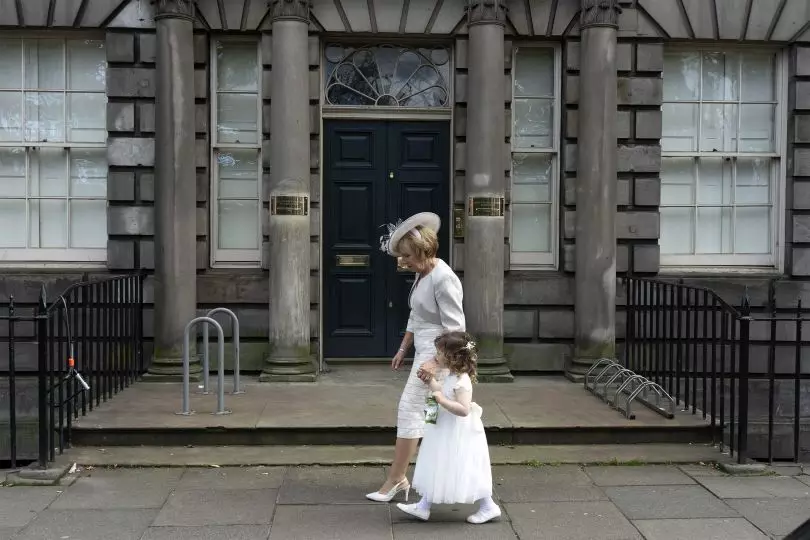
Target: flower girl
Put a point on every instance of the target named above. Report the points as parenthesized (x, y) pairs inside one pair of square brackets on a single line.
[(453, 466)]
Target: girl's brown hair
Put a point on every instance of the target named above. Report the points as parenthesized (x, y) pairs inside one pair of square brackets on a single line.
[(460, 351), (426, 245)]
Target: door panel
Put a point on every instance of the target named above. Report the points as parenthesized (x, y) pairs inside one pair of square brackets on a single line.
[(375, 173)]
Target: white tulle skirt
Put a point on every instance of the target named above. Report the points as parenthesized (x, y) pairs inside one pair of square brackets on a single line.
[(410, 412), (453, 465)]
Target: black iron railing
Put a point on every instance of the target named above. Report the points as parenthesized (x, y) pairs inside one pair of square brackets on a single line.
[(723, 362), (88, 347)]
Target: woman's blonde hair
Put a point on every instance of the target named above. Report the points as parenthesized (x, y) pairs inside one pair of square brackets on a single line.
[(425, 245)]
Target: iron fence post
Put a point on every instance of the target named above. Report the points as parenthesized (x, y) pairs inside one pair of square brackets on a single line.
[(745, 346), (12, 387), (42, 381)]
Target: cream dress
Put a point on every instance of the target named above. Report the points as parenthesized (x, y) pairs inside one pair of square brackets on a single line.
[(436, 306)]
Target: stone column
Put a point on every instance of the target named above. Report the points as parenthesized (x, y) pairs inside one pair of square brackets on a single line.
[(289, 357), (175, 188), (484, 237), (595, 280)]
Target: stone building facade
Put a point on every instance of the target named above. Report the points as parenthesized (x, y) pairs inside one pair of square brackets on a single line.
[(259, 145)]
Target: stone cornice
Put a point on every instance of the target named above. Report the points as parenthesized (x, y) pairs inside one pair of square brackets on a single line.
[(175, 9), (297, 10), (486, 12), (599, 13)]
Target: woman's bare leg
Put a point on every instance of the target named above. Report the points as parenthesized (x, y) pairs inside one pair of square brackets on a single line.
[(404, 449)]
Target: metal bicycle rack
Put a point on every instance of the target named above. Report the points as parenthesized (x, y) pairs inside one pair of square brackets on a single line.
[(205, 364), (221, 366), (606, 375)]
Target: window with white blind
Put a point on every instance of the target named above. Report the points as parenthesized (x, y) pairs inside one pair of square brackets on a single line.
[(721, 158), (535, 148), (236, 235), (53, 151)]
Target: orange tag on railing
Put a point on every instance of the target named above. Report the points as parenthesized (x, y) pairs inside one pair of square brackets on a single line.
[(71, 363)]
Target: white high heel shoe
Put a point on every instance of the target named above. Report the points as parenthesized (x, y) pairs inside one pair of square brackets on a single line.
[(403, 485)]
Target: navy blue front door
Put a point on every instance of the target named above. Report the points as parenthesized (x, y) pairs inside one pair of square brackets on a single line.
[(375, 172)]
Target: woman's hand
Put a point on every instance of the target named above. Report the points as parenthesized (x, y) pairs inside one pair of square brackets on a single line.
[(397, 361), (427, 370)]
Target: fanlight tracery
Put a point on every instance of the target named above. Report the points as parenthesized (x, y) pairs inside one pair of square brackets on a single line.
[(387, 76)]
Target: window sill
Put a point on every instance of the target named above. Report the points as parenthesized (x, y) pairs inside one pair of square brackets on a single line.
[(741, 271)]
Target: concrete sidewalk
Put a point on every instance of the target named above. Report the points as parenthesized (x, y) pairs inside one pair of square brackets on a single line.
[(566, 502)]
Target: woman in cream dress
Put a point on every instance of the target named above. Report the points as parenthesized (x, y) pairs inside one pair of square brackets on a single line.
[(436, 306)]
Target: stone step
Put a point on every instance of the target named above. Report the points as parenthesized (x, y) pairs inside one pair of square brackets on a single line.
[(207, 456)]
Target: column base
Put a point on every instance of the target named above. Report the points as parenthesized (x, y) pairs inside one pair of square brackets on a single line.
[(170, 369), (289, 369), (494, 370), (577, 368)]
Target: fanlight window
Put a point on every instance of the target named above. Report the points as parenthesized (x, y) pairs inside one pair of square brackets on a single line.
[(387, 76)]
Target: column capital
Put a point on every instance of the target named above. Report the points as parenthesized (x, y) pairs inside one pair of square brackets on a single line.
[(175, 9), (296, 10), (486, 12), (599, 13)]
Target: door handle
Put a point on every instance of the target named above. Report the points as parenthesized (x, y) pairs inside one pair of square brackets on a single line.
[(390, 304), (391, 175)]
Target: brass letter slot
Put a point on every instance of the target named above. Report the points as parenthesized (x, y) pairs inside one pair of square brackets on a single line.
[(352, 260)]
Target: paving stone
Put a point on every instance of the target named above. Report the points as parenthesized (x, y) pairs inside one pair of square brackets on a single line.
[(336, 522), (758, 487), (637, 476), (228, 532), (538, 484), (122, 489), (702, 470), (197, 508), (774, 516), (804, 479), (570, 521), (496, 530), (88, 525), (330, 485), (668, 502), (233, 478), (6, 533), (19, 505), (716, 529)]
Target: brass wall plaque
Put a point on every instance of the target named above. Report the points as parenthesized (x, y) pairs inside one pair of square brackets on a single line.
[(289, 205), (485, 206), (352, 260), (458, 221)]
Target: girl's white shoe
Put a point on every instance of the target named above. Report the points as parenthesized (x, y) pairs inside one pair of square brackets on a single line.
[(415, 511), (403, 485), (485, 514)]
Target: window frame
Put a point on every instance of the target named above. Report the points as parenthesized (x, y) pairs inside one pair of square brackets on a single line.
[(235, 258), (740, 263), (535, 260), (67, 257)]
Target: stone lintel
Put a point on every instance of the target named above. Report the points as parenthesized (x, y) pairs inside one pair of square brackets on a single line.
[(295, 10), (486, 12), (175, 9), (599, 13)]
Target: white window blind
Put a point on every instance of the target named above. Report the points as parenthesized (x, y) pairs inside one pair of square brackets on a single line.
[(720, 158), (535, 144), (237, 159), (53, 150)]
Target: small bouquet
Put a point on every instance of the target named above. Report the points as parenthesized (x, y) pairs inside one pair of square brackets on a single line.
[(431, 410)]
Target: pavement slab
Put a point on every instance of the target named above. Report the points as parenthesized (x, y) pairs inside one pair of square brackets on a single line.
[(232, 478), (547, 483), (19, 505), (6, 533), (222, 532), (804, 478), (637, 476), (756, 487), (190, 508), (774, 516), (88, 525), (330, 485), (335, 522), (709, 529), (570, 521), (698, 470), (104, 491), (668, 502), (454, 531)]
